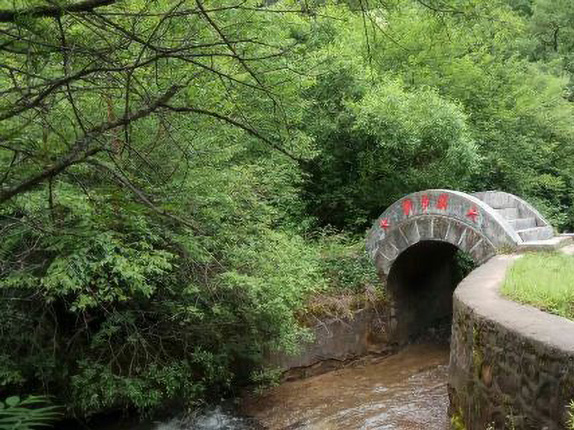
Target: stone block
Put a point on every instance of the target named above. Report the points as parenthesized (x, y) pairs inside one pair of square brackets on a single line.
[(496, 199), (426, 227), (441, 227), (482, 252), (411, 232), (455, 232)]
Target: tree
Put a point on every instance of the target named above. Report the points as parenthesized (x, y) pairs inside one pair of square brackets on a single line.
[(95, 68), (506, 111), (148, 183)]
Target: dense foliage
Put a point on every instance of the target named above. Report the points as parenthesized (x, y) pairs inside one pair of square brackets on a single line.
[(447, 98), (179, 178)]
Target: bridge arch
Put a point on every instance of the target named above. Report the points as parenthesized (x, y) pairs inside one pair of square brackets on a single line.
[(415, 241)]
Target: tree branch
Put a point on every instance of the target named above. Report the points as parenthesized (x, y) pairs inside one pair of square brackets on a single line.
[(440, 9), (53, 11), (237, 124), (52, 86), (123, 180), (83, 148)]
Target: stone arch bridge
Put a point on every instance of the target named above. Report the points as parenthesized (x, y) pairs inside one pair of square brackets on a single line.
[(414, 245)]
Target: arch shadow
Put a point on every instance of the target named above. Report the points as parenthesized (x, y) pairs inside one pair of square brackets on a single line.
[(421, 283)]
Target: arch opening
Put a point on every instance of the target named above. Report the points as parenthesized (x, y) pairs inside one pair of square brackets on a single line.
[(421, 283)]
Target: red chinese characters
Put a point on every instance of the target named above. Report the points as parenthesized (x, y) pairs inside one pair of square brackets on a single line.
[(384, 223), (472, 213), (407, 206), (425, 202), (442, 203)]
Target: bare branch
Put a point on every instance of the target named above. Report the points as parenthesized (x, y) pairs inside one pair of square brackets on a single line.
[(83, 148), (53, 11), (57, 83), (235, 123)]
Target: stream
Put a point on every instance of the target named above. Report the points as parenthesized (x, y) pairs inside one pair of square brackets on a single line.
[(404, 391)]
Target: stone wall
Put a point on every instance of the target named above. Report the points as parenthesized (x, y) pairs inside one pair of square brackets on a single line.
[(511, 366), (336, 341)]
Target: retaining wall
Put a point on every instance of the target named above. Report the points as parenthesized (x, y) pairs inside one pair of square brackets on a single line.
[(511, 366), (336, 341)]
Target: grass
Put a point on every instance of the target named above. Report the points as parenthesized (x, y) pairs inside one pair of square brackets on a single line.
[(545, 281)]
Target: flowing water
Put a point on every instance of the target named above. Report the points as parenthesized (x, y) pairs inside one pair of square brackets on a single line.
[(405, 391), (214, 418)]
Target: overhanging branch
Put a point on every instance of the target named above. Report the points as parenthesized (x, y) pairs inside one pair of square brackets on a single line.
[(123, 180), (231, 121), (83, 148), (53, 11)]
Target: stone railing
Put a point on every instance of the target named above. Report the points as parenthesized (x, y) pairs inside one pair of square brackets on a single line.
[(511, 366)]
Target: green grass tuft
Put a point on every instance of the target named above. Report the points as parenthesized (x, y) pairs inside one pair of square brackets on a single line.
[(543, 280)]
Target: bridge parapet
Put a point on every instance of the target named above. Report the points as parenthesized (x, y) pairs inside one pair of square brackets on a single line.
[(528, 223)]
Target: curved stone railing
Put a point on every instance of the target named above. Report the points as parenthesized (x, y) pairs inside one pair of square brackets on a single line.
[(524, 218), (509, 362)]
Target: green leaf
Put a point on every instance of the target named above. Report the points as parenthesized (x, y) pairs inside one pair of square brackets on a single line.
[(12, 401)]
